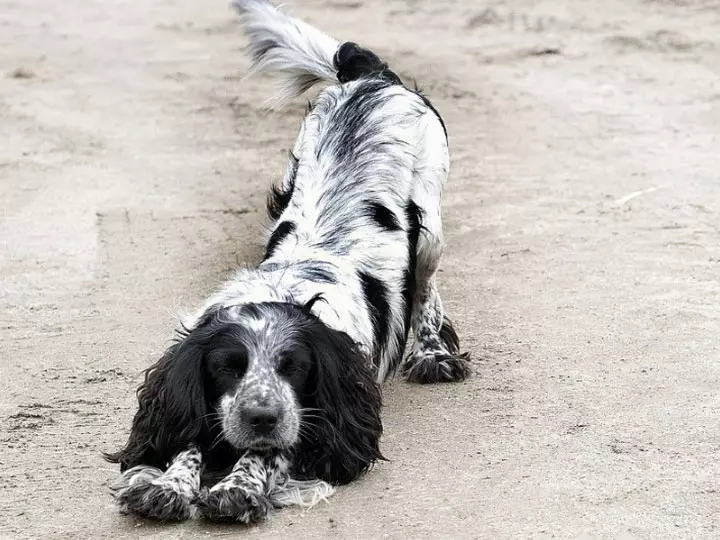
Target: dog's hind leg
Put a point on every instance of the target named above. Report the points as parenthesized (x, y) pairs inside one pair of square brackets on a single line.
[(435, 355)]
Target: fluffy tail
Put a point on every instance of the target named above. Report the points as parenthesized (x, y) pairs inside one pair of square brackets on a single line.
[(302, 54)]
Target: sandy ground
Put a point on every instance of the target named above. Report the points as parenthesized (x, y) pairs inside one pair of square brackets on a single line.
[(583, 262)]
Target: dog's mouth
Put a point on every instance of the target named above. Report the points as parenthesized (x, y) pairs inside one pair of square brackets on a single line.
[(259, 443), (263, 444)]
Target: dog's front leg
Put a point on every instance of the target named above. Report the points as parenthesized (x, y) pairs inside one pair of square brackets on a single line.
[(244, 494), (167, 496)]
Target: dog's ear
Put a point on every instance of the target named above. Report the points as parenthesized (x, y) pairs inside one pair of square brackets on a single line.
[(172, 408), (342, 434)]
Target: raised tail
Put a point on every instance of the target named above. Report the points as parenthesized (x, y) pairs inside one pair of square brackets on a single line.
[(301, 53)]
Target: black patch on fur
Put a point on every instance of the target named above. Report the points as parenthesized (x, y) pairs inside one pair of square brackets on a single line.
[(317, 274), (281, 232), (342, 437), (383, 217), (353, 62), (413, 214), (279, 196), (449, 337), (376, 296), (307, 306)]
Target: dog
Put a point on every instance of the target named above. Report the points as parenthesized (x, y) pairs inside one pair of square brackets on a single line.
[(277, 376)]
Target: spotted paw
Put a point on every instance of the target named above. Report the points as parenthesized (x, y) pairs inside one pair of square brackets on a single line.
[(143, 496), (233, 504), (436, 367)]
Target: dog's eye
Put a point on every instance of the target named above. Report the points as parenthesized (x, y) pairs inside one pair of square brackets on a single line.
[(285, 366), (233, 365), (230, 371)]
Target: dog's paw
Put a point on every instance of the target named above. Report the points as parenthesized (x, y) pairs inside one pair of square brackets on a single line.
[(156, 501), (233, 504), (143, 492), (436, 367)]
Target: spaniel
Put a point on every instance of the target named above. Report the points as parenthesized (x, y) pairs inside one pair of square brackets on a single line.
[(275, 382)]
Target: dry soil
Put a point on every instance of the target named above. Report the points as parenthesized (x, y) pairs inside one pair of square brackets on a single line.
[(582, 266)]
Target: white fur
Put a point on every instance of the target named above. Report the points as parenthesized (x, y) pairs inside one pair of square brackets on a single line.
[(306, 54)]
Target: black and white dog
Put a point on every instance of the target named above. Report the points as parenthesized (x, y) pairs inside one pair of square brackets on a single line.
[(277, 376)]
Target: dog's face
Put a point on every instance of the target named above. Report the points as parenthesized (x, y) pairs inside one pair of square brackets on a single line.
[(257, 367), (261, 376)]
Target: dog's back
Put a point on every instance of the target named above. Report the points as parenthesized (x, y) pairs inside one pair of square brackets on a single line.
[(366, 171)]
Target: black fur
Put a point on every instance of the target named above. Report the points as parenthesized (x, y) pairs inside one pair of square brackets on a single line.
[(282, 231), (175, 403), (307, 306), (353, 62), (171, 408), (384, 217), (449, 337), (357, 134), (376, 296), (279, 196), (318, 274), (414, 220), (344, 442)]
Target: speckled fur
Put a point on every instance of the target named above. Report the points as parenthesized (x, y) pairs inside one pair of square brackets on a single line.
[(166, 496), (258, 483)]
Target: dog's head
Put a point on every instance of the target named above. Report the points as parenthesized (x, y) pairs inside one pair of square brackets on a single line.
[(261, 376)]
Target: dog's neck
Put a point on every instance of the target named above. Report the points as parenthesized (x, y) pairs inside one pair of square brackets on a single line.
[(296, 282)]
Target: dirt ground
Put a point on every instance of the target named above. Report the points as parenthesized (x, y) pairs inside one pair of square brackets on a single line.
[(583, 260)]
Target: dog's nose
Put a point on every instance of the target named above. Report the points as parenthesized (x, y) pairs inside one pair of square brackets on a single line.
[(261, 419)]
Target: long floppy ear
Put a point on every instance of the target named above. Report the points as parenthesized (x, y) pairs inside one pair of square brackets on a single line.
[(172, 407), (343, 431)]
